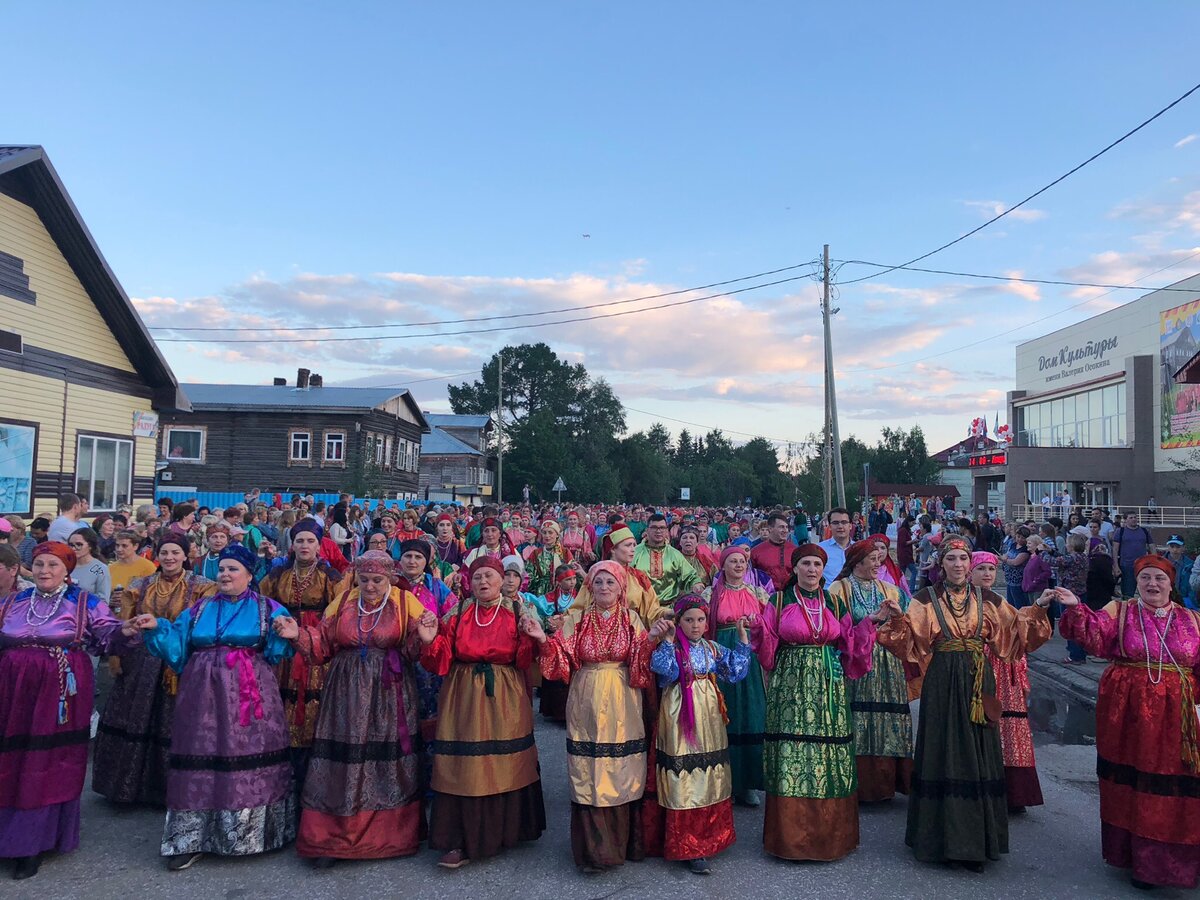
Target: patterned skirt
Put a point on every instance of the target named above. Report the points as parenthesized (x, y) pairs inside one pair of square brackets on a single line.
[(362, 796), (811, 777), (882, 728), (1016, 738), (133, 742), (42, 763), (746, 702), (957, 809), (229, 790), (300, 686)]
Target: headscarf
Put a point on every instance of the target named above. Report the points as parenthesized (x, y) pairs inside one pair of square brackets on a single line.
[(563, 572), (1153, 561), (616, 570), (485, 562), (890, 565), (374, 562), (306, 524), (514, 563), (177, 538), (953, 542), (732, 549), (718, 585), (59, 549), (979, 557), (240, 554), (856, 553), (552, 524), (619, 534), (683, 656), (809, 549), (418, 545)]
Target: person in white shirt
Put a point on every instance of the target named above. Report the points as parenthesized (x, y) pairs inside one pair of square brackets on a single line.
[(89, 573)]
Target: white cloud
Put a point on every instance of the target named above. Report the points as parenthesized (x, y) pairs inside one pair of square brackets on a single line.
[(991, 208), (1183, 142)]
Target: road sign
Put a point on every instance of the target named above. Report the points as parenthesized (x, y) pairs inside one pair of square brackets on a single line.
[(559, 486), (685, 493)]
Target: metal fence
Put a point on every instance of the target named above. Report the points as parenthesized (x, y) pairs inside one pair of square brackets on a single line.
[(1151, 517)]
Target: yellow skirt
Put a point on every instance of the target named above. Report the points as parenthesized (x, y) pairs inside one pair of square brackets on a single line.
[(483, 745), (606, 739), (692, 775)]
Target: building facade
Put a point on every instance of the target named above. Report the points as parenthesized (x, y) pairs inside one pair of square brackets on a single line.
[(1097, 412), (455, 465), (82, 384), (299, 438)]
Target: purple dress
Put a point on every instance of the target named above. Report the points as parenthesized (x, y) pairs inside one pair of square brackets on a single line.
[(46, 695)]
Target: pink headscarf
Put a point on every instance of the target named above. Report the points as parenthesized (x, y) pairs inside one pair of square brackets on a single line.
[(616, 570), (980, 557)]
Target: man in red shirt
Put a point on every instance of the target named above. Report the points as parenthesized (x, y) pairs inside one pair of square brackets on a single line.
[(774, 555)]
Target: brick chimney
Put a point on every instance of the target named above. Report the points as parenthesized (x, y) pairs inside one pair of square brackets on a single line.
[(280, 382), (302, 379), (316, 380)]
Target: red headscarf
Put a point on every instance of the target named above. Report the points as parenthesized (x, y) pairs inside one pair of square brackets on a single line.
[(1149, 561), (892, 567), (485, 562), (59, 549)]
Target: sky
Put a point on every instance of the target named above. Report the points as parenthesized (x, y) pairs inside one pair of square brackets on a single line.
[(297, 166)]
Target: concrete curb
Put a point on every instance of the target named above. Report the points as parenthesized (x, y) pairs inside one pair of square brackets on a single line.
[(1079, 685)]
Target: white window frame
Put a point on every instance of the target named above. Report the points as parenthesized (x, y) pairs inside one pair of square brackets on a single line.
[(339, 438), (294, 435), (94, 506), (387, 451), (169, 430)]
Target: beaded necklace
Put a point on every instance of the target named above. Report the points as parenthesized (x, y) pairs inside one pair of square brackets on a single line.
[(868, 604), (34, 617), (496, 612), (1163, 650), (301, 582), (814, 615), (365, 613)]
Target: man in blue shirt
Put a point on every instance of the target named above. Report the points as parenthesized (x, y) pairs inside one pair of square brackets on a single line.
[(835, 548)]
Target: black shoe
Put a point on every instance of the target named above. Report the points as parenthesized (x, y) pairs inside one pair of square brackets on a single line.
[(183, 861), (27, 867), (974, 867), (323, 862), (699, 866), (1142, 885)]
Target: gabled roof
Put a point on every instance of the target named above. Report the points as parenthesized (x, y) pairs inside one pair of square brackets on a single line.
[(879, 489), (965, 447), (439, 443), (217, 397), (454, 420), (27, 170)]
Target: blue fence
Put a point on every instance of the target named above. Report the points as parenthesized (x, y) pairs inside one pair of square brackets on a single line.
[(223, 499)]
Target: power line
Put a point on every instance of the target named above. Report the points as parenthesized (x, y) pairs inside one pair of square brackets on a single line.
[(1087, 284), (1095, 156), (544, 312), (992, 337), (440, 334)]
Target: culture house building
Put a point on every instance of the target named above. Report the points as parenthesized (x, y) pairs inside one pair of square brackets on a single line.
[(1103, 410)]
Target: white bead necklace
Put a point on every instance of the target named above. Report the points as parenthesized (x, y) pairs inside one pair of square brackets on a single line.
[(37, 619), (1163, 649)]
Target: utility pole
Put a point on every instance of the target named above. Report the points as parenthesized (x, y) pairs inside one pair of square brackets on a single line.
[(832, 438), (500, 427)]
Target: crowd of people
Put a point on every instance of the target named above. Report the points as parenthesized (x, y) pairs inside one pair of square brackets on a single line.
[(358, 681)]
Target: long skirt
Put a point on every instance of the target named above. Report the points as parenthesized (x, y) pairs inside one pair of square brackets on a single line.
[(300, 686), (694, 780), (428, 688), (42, 763), (957, 808), (746, 703), (485, 766), (1149, 799), (553, 696), (1016, 738), (133, 742), (362, 796), (229, 790), (811, 777), (606, 836), (882, 728)]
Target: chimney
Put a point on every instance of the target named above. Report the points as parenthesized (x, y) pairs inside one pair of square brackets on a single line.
[(316, 380), (280, 382), (302, 379)]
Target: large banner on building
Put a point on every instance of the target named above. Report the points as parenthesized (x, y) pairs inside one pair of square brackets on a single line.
[(1179, 340)]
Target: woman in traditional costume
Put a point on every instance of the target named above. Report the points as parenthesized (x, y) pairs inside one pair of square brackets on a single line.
[(606, 661), (731, 598), (1022, 787), (689, 544), (889, 569), (494, 543), (883, 741), (362, 797), (552, 610), (957, 810), (694, 782), (133, 741), (809, 646), (639, 592), (450, 553), (304, 586), (229, 789), (543, 560), (1148, 754), (488, 793), (46, 696), (577, 541)]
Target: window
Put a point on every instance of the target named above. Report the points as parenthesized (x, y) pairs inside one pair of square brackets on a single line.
[(378, 438), (387, 451), (183, 444), (301, 446), (18, 450), (104, 472), (1094, 418), (414, 458), (335, 447)]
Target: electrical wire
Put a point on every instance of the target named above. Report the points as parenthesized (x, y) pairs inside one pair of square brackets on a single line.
[(440, 334), (544, 312), (1061, 178), (1087, 284)]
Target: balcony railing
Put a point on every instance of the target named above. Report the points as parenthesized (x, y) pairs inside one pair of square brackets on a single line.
[(1160, 517)]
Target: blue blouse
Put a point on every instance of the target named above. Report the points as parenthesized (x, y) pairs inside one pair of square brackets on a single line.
[(218, 621), (730, 665)]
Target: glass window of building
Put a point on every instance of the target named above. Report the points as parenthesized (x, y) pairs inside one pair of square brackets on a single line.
[(1094, 418)]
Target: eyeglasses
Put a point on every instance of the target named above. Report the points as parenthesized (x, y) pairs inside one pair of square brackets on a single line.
[(839, 522)]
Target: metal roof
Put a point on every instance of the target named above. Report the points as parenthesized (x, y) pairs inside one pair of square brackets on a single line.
[(439, 443), (260, 396), (453, 420)]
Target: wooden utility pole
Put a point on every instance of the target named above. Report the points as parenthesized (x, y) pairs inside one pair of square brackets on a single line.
[(833, 443), (500, 427)]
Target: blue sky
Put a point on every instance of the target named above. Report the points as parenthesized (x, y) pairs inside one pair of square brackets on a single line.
[(295, 165)]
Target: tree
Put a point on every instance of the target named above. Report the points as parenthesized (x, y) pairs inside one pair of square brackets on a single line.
[(534, 379), (660, 439), (685, 450)]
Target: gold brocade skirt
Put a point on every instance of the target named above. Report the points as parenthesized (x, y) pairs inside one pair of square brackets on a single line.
[(606, 739), (483, 745), (694, 774)]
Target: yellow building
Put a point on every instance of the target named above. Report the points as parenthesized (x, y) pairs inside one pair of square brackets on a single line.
[(81, 380)]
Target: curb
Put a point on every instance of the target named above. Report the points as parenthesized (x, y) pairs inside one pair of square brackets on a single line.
[(1080, 688)]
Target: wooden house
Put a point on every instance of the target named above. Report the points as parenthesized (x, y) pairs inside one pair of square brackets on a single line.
[(81, 380), (455, 464), (302, 438)]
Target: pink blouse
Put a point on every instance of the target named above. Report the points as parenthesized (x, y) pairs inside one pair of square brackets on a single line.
[(855, 642)]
